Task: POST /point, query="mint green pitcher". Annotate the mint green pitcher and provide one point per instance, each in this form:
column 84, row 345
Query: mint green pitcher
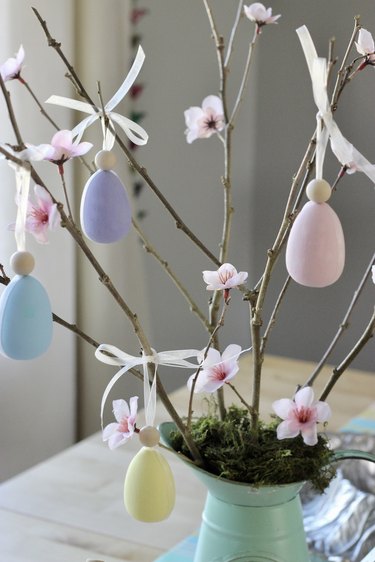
column 242, row 523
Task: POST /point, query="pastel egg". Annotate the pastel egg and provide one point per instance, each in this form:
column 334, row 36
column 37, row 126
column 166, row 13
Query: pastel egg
column 25, row 319
column 105, row 208
column 315, row 254
column 149, row 490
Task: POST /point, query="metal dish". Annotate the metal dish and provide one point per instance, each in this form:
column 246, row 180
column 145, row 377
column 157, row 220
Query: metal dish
column 340, row 524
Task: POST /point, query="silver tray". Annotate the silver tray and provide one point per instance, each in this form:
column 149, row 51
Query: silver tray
column 340, row 524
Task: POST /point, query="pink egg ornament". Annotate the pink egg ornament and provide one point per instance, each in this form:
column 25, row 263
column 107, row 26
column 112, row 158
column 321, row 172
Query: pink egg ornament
column 315, row 254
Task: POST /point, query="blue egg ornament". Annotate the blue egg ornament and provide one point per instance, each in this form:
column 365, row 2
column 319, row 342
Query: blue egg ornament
column 25, row 319
column 105, row 208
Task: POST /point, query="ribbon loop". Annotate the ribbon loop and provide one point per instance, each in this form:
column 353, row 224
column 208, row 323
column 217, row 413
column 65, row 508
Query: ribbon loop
column 344, row 151
column 112, row 355
column 133, row 131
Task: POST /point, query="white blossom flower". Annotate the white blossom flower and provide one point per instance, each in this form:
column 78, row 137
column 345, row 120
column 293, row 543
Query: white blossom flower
column 365, row 46
column 202, row 122
column 226, row 277
column 261, row 15
column 11, row 68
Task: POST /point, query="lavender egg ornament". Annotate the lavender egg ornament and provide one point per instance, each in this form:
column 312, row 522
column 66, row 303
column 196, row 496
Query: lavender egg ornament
column 105, row 208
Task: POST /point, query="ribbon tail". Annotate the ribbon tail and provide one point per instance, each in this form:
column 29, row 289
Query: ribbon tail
column 72, row 104
column 23, row 186
column 108, row 136
column 307, row 46
column 79, row 129
column 111, row 384
column 128, row 82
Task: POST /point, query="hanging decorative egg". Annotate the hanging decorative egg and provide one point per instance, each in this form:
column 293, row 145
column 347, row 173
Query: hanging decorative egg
column 315, row 254
column 105, row 208
column 149, row 490
column 25, row 313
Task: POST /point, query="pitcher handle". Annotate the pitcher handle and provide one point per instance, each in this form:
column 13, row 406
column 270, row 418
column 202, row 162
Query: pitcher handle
column 353, row 454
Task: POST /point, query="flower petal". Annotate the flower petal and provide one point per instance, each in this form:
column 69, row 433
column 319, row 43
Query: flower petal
column 120, row 409
column 232, row 352
column 309, row 435
column 283, row 407
column 287, row 430
column 109, row 430
column 62, row 139
column 214, row 103
column 323, row 411
column 304, row 397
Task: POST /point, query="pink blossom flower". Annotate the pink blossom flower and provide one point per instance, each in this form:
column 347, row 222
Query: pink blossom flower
column 202, row 122
column 217, row 369
column 301, row 416
column 225, row 278
column 118, row 433
column 42, row 216
column 11, row 68
column 62, row 148
column 365, row 46
column 261, row 15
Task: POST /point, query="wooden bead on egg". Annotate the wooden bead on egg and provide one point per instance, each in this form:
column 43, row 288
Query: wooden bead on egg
column 318, row 191
column 149, row 436
column 22, row 263
column 105, row 160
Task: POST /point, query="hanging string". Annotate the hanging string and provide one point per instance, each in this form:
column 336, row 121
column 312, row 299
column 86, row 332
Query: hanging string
column 23, row 175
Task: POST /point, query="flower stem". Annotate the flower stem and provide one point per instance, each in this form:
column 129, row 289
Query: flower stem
column 62, row 176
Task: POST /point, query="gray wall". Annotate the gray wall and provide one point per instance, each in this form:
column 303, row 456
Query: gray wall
column 276, row 123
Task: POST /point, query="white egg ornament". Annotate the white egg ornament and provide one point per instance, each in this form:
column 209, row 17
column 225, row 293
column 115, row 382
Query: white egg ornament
column 105, row 209
column 315, row 254
column 25, row 313
column 149, row 489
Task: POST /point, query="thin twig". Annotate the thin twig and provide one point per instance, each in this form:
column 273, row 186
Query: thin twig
column 272, row 320
column 344, row 325
column 41, row 108
column 243, row 401
column 245, row 78
column 149, row 248
column 62, row 176
column 342, row 75
column 219, row 44
column 194, row 382
column 4, row 279
column 338, row 371
column 233, row 33
column 11, row 114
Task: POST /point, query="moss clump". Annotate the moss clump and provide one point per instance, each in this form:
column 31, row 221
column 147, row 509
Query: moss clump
column 230, row 450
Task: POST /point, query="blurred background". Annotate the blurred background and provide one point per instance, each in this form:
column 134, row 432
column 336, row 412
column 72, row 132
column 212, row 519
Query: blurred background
column 48, row 403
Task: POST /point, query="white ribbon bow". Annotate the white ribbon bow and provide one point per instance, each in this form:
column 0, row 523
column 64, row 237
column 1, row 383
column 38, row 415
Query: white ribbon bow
column 344, row 151
column 133, row 131
column 176, row 358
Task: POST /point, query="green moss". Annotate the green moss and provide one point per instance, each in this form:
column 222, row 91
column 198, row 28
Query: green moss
column 230, row 450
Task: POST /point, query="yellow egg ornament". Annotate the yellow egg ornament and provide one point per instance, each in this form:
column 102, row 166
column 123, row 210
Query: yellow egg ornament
column 149, row 489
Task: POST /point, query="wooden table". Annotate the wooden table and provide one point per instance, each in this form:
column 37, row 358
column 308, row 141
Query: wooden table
column 69, row 508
